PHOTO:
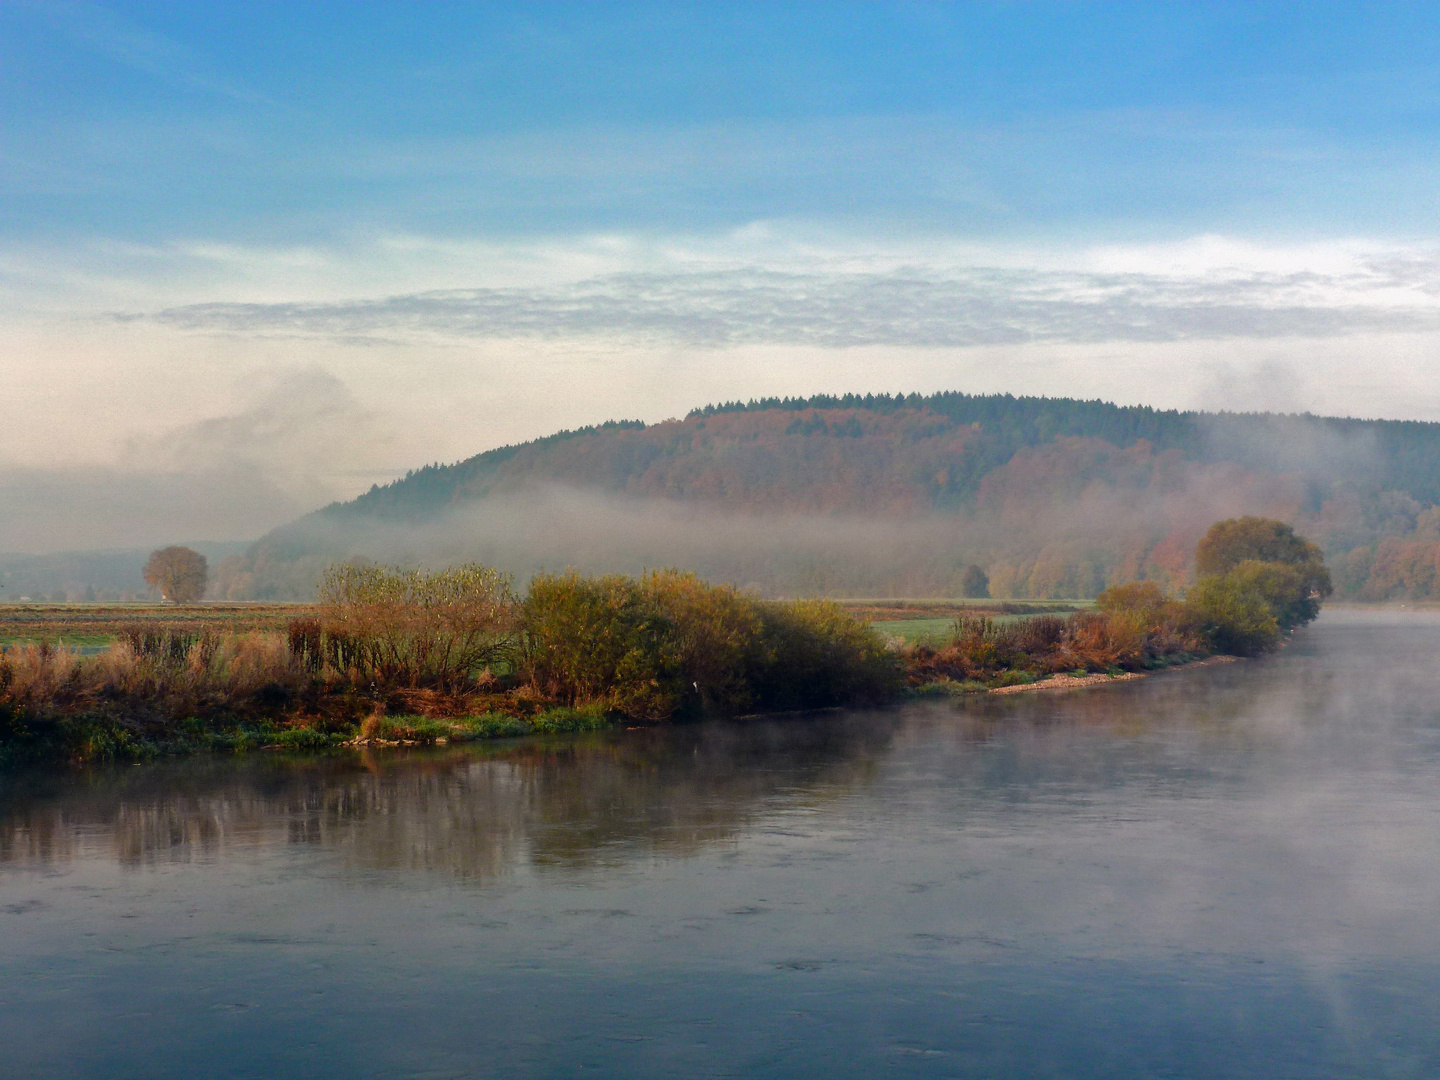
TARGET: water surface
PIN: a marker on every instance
(1221, 872)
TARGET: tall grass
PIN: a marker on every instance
(164, 678)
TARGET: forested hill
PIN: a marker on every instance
(979, 433)
(898, 494)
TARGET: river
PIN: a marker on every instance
(1227, 871)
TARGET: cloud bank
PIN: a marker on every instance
(912, 308)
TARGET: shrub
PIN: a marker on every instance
(1039, 634)
(1281, 587)
(816, 655)
(1100, 641)
(982, 645)
(602, 639)
(1144, 597)
(168, 647)
(1230, 616)
(974, 582)
(411, 627)
(1137, 628)
(670, 643)
(1254, 539)
(716, 637)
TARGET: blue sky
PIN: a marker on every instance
(264, 254)
(266, 122)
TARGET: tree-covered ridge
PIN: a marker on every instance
(1397, 455)
(899, 495)
(816, 460)
(431, 487)
(632, 457)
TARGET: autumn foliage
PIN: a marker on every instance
(1261, 580)
(178, 574)
(670, 644)
(460, 642)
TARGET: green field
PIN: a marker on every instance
(916, 631)
(933, 623)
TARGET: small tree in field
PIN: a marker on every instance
(975, 582)
(178, 574)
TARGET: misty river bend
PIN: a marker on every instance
(1226, 872)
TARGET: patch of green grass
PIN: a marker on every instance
(428, 730)
(935, 631)
(580, 718)
(305, 739)
(947, 688)
(917, 631)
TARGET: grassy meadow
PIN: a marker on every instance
(931, 620)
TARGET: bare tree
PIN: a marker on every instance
(179, 574)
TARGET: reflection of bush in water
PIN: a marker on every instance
(688, 786)
(473, 812)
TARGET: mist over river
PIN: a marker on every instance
(1227, 871)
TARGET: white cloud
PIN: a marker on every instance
(907, 308)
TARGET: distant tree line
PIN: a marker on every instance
(1399, 455)
(1366, 490)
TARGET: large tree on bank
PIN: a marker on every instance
(1263, 560)
(1246, 539)
(178, 574)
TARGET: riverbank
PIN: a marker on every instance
(87, 737)
(394, 656)
(1080, 682)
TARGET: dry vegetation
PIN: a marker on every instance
(401, 655)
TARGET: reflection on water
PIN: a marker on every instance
(474, 812)
(1225, 872)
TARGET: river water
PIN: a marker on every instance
(1228, 871)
